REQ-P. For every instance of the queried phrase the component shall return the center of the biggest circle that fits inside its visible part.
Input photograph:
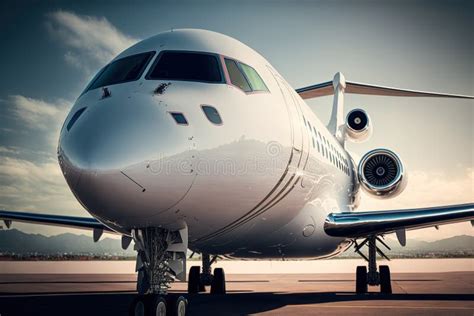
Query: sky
(51, 49)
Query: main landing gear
(161, 259)
(372, 277)
(199, 279)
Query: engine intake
(358, 127)
(381, 173)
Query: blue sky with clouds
(51, 49)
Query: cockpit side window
(126, 69)
(256, 82)
(244, 76)
(237, 78)
(186, 66)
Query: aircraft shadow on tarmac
(239, 303)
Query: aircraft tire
(385, 280)
(139, 306)
(194, 280)
(158, 306)
(177, 305)
(361, 280)
(218, 282)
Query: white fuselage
(260, 184)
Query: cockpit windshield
(187, 66)
(126, 69)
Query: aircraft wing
(327, 88)
(55, 220)
(364, 224)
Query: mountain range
(17, 242)
(14, 241)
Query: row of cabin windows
(327, 149)
(179, 65)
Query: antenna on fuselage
(336, 124)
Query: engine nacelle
(358, 126)
(381, 173)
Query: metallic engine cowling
(358, 126)
(381, 173)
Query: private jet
(192, 140)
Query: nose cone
(128, 159)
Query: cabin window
(256, 82)
(122, 70)
(212, 114)
(186, 66)
(179, 118)
(236, 76)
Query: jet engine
(358, 126)
(381, 173)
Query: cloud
(39, 114)
(9, 150)
(27, 184)
(33, 186)
(41, 118)
(92, 41)
(31, 180)
(428, 189)
(73, 60)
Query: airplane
(190, 139)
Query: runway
(449, 293)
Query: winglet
(336, 123)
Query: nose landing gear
(199, 280)
(372, 276)
(161, 259)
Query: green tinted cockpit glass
(256, 82)
(236, 76)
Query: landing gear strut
(161, 259)
(372, 276)
(198, 280)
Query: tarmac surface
(449, 293)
